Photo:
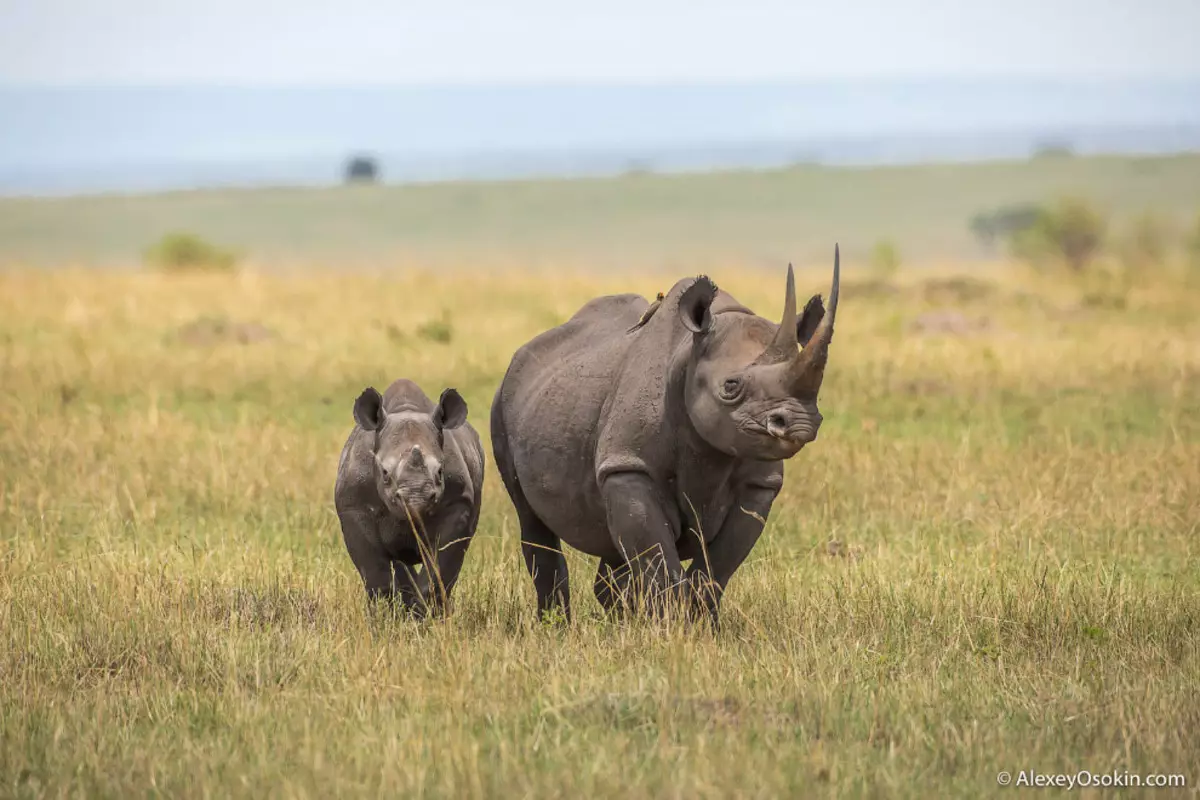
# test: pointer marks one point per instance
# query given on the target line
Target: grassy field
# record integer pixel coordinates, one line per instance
(687, 222)
(989, 561)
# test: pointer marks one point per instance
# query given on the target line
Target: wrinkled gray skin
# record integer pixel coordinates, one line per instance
(649, 445)
(409, 461)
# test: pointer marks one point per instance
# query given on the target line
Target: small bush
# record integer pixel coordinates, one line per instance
(437, 330)
(1070, 232)
(885, 259)
(179, 252)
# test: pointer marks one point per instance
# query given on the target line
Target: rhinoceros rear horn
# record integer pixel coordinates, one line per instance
(783, 346)
(811, 364)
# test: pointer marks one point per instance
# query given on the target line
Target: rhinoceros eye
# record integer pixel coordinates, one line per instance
(731, 388)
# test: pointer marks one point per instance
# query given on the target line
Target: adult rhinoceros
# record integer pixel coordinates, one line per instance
(648, 436)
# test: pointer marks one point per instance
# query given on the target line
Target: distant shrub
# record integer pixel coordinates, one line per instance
(437, 330)
(362, 169)
(885, 258)
(1071, 232)
(178, 252)
(1004, 222)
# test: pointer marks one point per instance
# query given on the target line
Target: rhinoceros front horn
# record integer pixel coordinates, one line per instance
(810, 365)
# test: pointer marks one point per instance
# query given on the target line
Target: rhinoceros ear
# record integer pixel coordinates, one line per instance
(694, 304)
(451, 410)
(814, 311)
(368, 409)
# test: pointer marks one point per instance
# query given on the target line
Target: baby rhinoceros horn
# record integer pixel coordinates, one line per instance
(415, 457)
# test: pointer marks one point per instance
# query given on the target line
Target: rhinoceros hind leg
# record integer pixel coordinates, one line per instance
(545, 561)
(540, 546)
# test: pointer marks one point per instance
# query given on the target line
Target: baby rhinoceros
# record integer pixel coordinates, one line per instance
(408, 492)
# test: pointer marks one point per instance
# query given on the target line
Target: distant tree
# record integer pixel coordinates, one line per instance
(1053, 149)
(362, 169)
(981, 229)
(1004, 222)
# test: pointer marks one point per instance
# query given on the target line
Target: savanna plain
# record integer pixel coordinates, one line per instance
(988, 560)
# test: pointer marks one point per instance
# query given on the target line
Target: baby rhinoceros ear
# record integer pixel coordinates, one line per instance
(451, 410)
(368, 409)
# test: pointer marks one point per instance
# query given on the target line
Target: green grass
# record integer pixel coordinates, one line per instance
(1016, 583)
(686, 222)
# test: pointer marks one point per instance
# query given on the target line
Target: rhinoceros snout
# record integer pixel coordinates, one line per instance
(794, 428)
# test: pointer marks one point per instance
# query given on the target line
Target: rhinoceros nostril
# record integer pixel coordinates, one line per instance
(777, 426)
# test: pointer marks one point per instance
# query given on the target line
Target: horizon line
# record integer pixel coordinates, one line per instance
(620, 82)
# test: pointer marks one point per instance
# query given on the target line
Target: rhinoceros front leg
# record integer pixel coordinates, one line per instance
(644, 534)
(714, 565)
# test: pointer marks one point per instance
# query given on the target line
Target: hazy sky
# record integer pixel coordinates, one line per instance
(338, 41)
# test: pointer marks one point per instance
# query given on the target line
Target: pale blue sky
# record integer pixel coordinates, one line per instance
(357, 41)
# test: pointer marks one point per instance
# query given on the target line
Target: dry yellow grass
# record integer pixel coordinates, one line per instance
(987, 562)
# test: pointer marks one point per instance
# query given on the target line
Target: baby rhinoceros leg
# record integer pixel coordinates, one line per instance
(359, 531)
(443, 561)
(406, 585)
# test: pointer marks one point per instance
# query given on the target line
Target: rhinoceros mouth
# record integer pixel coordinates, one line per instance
(773, 449)
(774, 438)
(792, 436)
(419, 501)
